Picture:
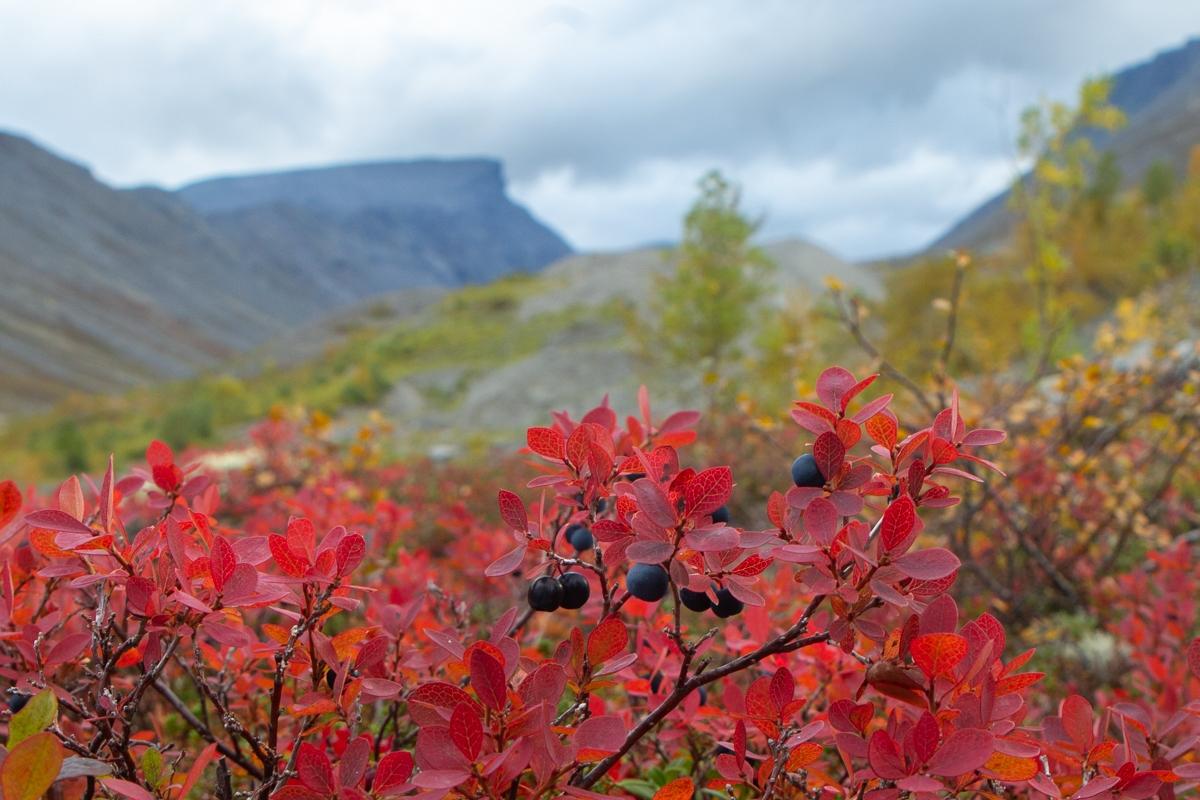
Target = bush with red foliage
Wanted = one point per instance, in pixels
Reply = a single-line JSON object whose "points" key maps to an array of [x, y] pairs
{"points": [[269, 631]]}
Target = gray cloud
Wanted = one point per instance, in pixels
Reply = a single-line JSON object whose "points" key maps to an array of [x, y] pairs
{"points": [[868, 126]]}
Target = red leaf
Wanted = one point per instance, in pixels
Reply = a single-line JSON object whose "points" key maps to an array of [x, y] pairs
{"points": [[10, 502], [313, 769], [753, 565], [222, 561], [604, 734], [883, 754], [708, 490], [872, 409], [393, 769], [783, 688], [350, 552], [126, 789], [487, 679], [963, 752], [814, 418], [828, 451], [608, 639], [820, 521], [352, 766], [1193, 656], [159, 454], [512, 511], [855, 391], [467, 730], [938, 653], [924, 737], [832, 386], [898, 522], [1078, 721], [285, 559], [928, 565], [507, 563], [546, 442], [55, 520]]}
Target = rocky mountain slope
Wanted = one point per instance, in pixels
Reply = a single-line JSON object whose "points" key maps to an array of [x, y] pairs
{"points": [[102, 289], [1161, 100]]}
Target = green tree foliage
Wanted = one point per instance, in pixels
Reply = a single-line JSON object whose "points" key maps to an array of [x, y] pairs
{"points": [[1064, 162], [704, 305], [1158, 184]]}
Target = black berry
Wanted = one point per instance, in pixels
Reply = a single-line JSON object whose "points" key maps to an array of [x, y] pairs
{"points": [[721, 515], [17, 700], [545, 594], [727, 605], [656, 682], [647, 582], [696, 601], [805, 472], [575, 590], [579, 537]]}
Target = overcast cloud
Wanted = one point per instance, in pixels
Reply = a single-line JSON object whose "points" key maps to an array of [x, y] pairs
{"points": [[867, 126]]}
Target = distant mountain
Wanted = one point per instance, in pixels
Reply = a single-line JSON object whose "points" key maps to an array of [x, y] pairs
{"points": [[1161, 100], [102, 289], [359, 230]]}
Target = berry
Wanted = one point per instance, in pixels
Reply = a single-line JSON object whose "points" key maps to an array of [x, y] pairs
{"points": [[656, 682], [575, 590], [696, 601], [727, 605], [545, 594], [17, 700], [579, 537], [805, 472], [721, 515], [647, 582]]}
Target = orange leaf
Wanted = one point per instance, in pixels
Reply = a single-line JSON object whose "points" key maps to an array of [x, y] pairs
{"points": [[43, 541], [31, 767], [607, 640], [803, 755], [938, 653], [678, 789], [1011, 768], [343, 643]]}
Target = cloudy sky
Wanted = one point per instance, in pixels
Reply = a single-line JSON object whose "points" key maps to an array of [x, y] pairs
{"points": [[866, 125]]}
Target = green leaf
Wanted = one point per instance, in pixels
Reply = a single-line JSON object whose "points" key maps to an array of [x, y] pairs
{"points": [[152, 764], [37, 715], [31, 767]]}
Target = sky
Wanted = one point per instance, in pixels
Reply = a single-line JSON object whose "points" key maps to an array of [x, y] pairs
{"points": [[868, 126]]}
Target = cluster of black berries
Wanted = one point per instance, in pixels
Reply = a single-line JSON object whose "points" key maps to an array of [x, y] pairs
{"points": [[569, 590]]}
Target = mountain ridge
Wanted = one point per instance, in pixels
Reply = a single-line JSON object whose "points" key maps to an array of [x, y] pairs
{"points": [[106, 288], [1161, 99]]}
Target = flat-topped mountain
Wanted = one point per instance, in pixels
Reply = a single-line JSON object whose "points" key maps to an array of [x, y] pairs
{"points": [[363, 229], [102, 288]]}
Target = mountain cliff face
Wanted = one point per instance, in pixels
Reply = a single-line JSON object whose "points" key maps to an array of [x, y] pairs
{"points": [[363, 229], [1161, 101], [102, 289]]}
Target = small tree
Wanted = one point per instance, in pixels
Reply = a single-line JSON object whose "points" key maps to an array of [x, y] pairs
{"points": [[704, 304]]}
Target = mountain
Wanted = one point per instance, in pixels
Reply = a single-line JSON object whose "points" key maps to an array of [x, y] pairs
{"points": [[355, 231], [1161, 101], [102, 289]]}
